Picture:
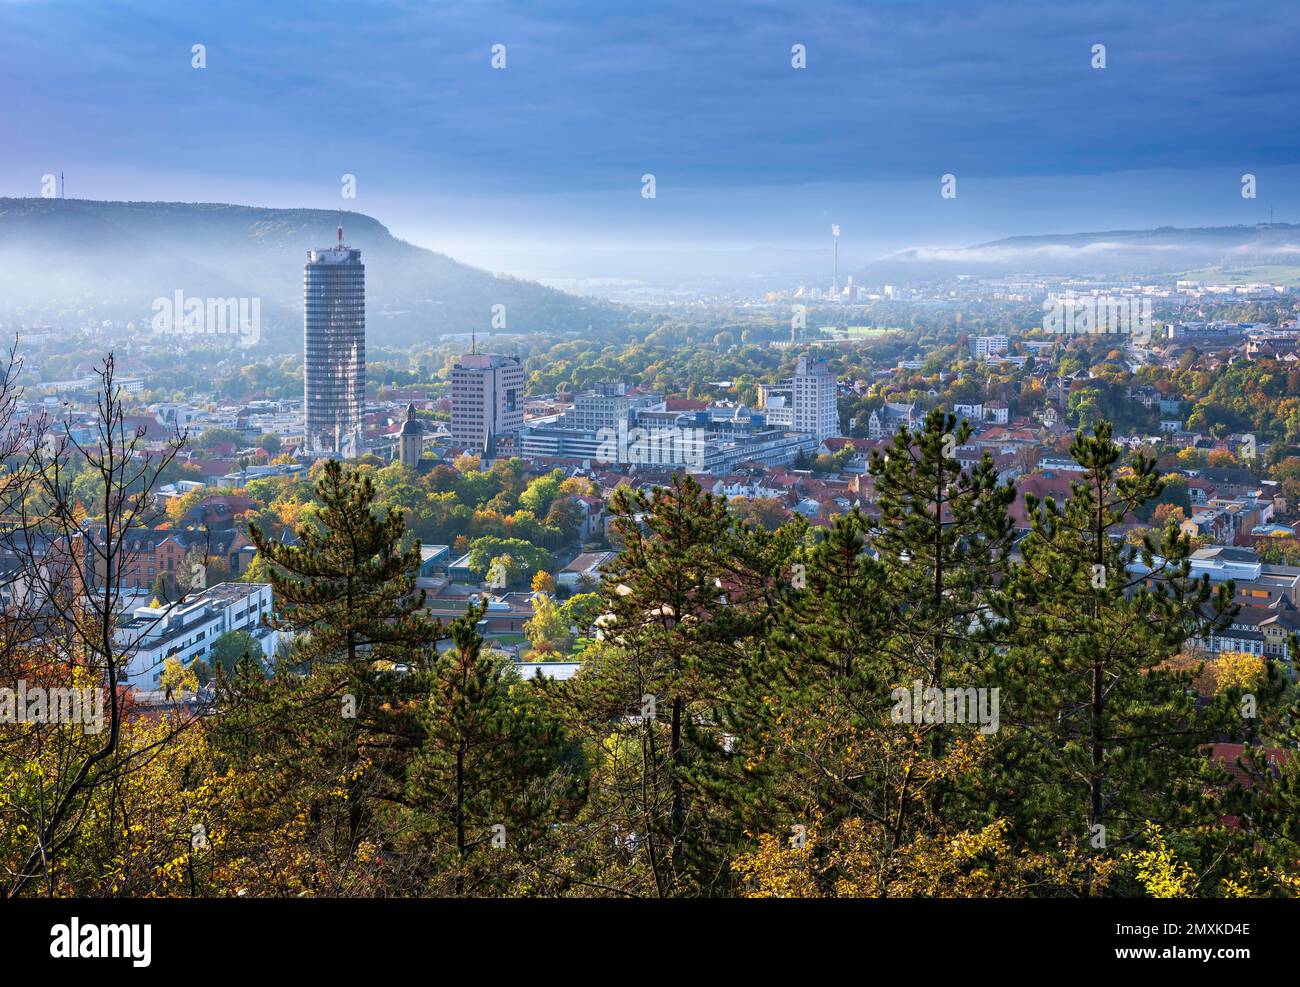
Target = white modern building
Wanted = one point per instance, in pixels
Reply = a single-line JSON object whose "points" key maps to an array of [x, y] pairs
{"points": [[777, 404], [813, 391], [487, 400], [983, 347], [186, 630]]}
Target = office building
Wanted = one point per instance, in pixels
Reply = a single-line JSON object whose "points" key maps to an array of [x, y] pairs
{"points": [[187, 630], [487, 400], [334, 344], [813, 390]]}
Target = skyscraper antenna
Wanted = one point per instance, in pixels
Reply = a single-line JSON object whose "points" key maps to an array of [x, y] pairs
{"points": [[63, 189]]}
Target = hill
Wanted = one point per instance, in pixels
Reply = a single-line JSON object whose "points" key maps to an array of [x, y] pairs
{"points": [[80, 261], [1214, 253]]}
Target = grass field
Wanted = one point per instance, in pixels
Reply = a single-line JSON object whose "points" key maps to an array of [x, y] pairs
{"points": [[1268, 274]]}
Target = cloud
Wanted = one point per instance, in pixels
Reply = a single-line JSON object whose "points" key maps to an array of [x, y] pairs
{"points": [[1010, 254], [1258, 247], [702, 95]]}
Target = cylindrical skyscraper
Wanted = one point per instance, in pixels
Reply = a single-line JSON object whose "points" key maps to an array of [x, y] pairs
{"points": [[334, 349]]}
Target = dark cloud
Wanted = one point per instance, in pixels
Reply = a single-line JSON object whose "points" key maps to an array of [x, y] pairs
{"points": [[597, 93]]}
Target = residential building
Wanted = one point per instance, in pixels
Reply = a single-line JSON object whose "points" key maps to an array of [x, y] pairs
{"points": [[983, 347], [187, 630], [883, 424], [1211, 524], [585, 569], [1255, 631]]}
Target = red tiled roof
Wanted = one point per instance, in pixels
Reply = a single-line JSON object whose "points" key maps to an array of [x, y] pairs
{"points": [[862, 446], [1057, 487], [1227, 756], [213, 467]]}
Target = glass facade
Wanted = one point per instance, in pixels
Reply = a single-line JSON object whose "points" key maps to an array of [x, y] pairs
{"points": [[334, 349]]}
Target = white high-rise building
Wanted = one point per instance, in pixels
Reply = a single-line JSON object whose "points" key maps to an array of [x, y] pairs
{"points": [[487, 400], [813, 392]]}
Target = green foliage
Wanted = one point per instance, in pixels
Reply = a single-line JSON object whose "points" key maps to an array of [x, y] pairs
{"points": [[541, 492], [227, 650], [548, 630], [346, 585], [1112, 735], [525, 558], [486, 780], [740, 690]]}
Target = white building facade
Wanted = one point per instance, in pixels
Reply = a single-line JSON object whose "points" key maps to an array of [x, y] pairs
{"points": [[813, 389], [487, 399], [186, 630]]}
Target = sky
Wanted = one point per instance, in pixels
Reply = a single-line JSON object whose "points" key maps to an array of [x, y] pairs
{"points": [[537, 168]]}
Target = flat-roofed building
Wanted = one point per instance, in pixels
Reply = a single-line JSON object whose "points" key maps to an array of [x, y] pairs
{"points": [[186, 630], [487, 400]]}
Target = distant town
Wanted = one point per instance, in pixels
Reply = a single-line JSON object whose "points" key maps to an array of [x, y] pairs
{"points": [[793, 434]]}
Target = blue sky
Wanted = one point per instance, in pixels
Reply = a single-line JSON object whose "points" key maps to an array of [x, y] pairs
{"points": [[536, 168]]}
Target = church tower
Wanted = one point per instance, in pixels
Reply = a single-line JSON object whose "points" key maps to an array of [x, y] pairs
{"points": [[411, 444]]}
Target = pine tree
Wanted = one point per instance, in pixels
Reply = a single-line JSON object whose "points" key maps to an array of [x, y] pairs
{"points": [[490, 779], [1267, 806], [943, 539], [338, 724], [347, 588], [648, 698], [858, 788], [1100, 736], [819, 735]]}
